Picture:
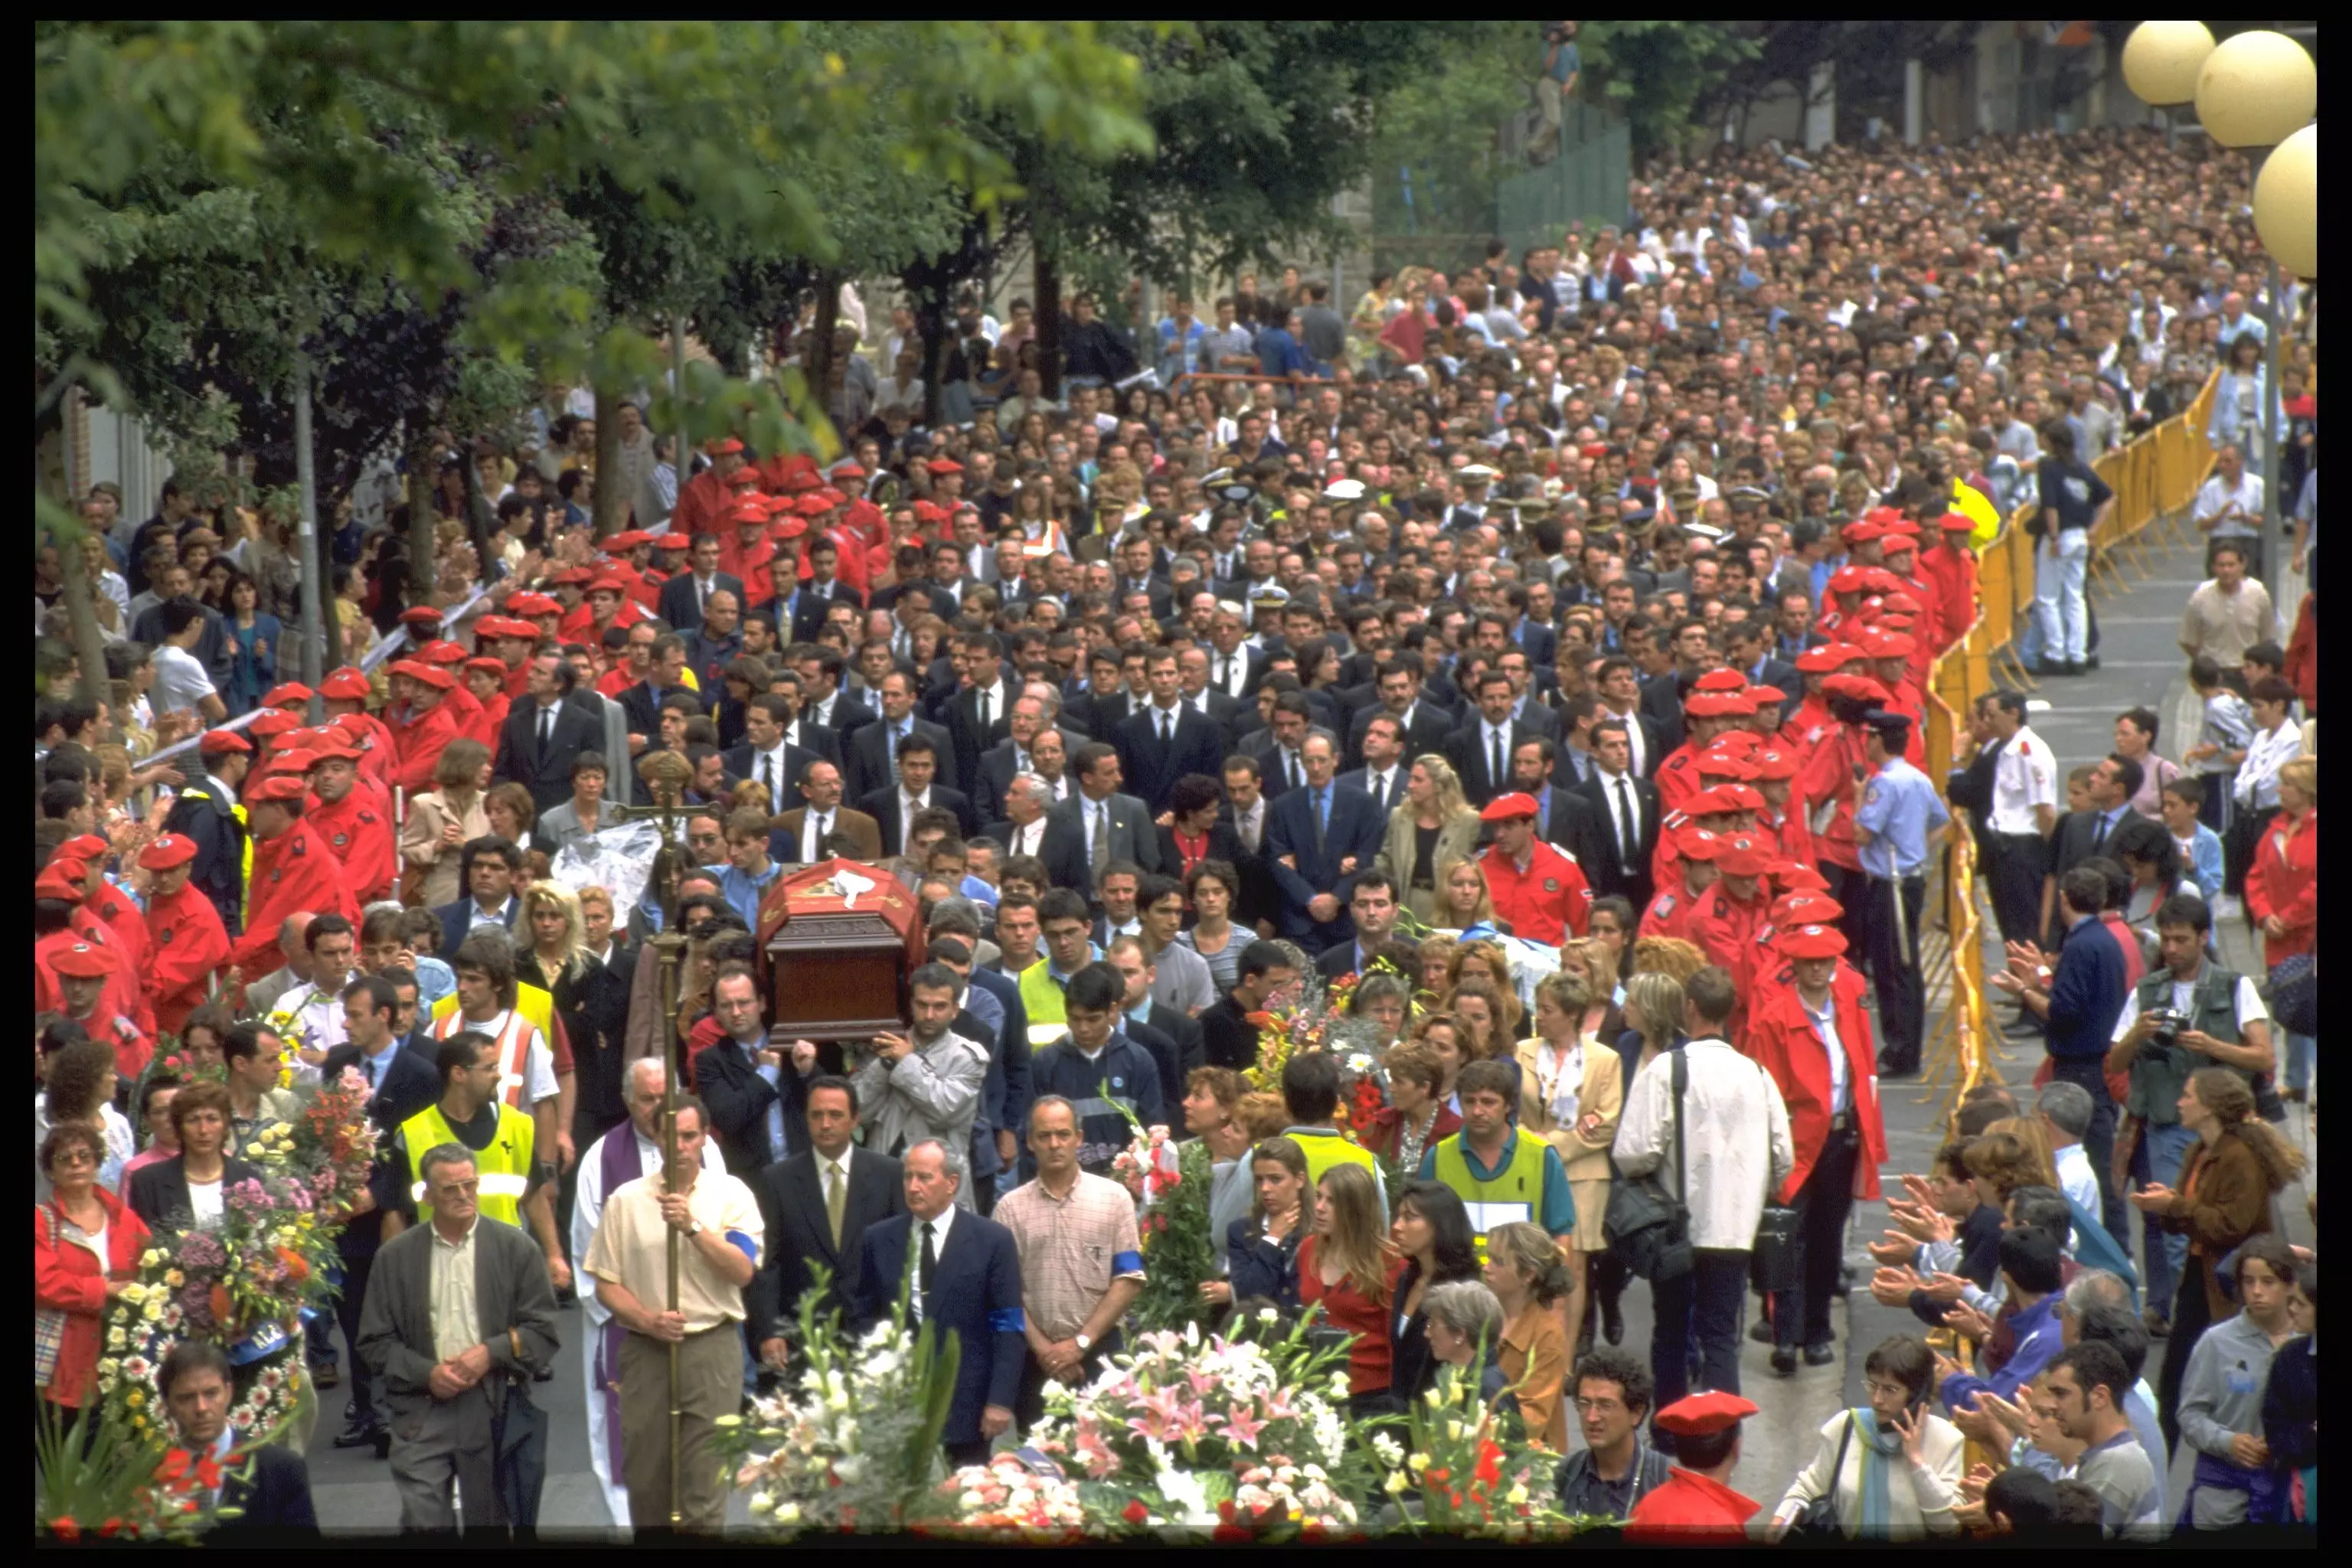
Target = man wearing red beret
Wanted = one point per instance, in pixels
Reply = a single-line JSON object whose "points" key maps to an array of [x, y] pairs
{"points": [[184, 933], [1670, 912], [432, 723], [1538, 892], [347, 809], [293, 871], [1696, 1503], [83, 973]]}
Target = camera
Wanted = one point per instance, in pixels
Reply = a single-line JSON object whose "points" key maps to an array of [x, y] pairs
{"points": [[2167, 1024]]}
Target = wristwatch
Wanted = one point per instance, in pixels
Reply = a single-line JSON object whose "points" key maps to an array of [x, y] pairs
{"points": [[1082, 1341], [696, 1228]]}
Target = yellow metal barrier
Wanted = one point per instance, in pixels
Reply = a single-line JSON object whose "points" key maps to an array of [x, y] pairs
{"points": [[2154, 478]]}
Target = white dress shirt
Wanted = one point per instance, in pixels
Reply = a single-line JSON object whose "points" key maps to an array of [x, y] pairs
{"points": [[1029, 840], [938, 1228], [1251, 825], [814, 826], [778, 783], [2025, 775], [1825, 1022]]}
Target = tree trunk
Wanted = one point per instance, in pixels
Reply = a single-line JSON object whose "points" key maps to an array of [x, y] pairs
{"points": [[612, 504], [88, 640], [817, 364], [423, 539], [1046, 281]]}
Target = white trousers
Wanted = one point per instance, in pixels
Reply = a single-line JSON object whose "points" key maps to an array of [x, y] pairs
{"points": [[603, 1437], [2059, 575]]}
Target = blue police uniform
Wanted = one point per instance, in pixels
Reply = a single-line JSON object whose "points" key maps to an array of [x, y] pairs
{"points": [[1899, 809]]}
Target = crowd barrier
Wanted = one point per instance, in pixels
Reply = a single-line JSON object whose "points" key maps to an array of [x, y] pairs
{"points": [[2154, 478]]}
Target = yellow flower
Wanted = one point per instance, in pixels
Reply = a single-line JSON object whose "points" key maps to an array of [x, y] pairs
{"points": [[174, 1278], [136, 1398]]}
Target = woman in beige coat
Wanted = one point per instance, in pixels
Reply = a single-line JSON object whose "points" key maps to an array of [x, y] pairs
{"points": [[1432, 827], [440, 824], [1571, 1089]]}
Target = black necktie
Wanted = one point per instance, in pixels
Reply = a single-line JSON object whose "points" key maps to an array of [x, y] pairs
{"points": [[1626, 821], [983, 715], [546, 731], [1501, 770], [1167, 729], [768, 777], [930, 1257], [2099, 833], [1225, 674]]}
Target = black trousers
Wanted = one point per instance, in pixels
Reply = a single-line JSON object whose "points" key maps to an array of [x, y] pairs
{"points": [[1893, 954], [2240, 845], [1801, 1316], [1031, 1406], [1699, 1325], [2019, 860], [356, 1272], [1851, 889], [2192, 1316]]}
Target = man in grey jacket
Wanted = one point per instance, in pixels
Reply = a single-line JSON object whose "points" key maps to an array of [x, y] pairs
{"points": [[926, 1082], [2221, 1395]]}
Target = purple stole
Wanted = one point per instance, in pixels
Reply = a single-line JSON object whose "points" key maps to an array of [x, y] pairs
{"points": [[618, 1164]]}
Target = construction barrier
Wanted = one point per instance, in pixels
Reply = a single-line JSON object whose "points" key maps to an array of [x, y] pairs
{"points": [[2154, 478]]}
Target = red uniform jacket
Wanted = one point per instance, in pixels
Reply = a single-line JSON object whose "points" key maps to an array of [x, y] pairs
{"points": [[1826, 782], [702, 503], [123, 994], [1954, 574], [127, 921], [1670, 912], [1677, 778], [2284, 881], [294, 871], [360, 831], [1543, 903], [189, 942], [1784, 1042], [1789, 830], [381, 758], [420, 743], [1689, 1510], [490, 720], [580, 625], [644, 592], [749, 563]]}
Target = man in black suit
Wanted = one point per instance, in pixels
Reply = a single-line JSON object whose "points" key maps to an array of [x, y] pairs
{"points": [[980, 713], [803, 730], [821, 700], [893, 806], [487, 867], [1166, 739], [1387, 764], [684, 595], [1137, 574], [543, 734], [820, 592], [401, 1082], [1319, 839], [967, 1281], [1621, 697], [1009, 758], [873, 750], [1234, 667], [1033, 827], [1563, 817], [1481, 750], [767, 757], [1227, 713], [1425, 724], [1749, 647], [1100, 705], [817, 1205], [750, 1086], [1374, 910], [2088, 832], [268, 1487], [643, 701], [1621, 826]]}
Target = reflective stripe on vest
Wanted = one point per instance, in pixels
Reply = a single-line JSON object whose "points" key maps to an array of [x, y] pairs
{"points": [[503, 1169], [514, 1046]]}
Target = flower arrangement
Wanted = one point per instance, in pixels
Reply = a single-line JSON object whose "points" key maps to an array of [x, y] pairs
{"points": [[1194, 1432], [1465, 1472], [332, 1145], [123, 1484], [1009, 1500], [1177, 1247], [855, 1443]]}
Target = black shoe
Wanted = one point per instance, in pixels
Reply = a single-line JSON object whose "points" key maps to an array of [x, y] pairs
{"points": [[567, 1298], [542, 1374], [384, 1442], [1760, 1331], [1897, 1069], [1784, 1361], [1820, 1354], [327, 1374], [360, 1434], [1613, 1321]]}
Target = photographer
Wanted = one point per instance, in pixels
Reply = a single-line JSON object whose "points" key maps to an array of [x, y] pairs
{"points": [[2192, 1013]]}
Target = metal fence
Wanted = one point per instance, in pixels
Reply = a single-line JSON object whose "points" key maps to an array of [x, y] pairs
{"points": [[1444, 218], [1585, 182]]}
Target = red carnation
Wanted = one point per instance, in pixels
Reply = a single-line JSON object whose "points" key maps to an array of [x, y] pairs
{"points": [[1134, 1512]]}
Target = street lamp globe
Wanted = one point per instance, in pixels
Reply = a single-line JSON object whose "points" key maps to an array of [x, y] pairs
{"points": [[2286, 203], [2256, 90], [2161, 62]]}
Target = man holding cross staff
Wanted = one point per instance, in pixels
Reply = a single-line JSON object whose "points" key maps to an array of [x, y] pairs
{"points": [[690, 1239]]}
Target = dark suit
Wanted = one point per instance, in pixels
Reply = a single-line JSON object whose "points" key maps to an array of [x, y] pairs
{"points": [[578, 729], [1227, 1037], [1062, 849], [1466, 749], [1426, 725], [1151, 766], [1662, 703], [1570, 823], [1192, 1046], [409, 1084], [1355, 831], [458, 919], [1133, 835], [681, 602], [785, 833], [1099, 714], [960, 714], [2077, 840], [1383, 800], [1653, 738], [643, 706], [1166, 1060], [743, 762], [998, 769], [882, 805], [1540, 641], [1605, 868], [1252, 665], [159, 1193], [812, 604], [271, 1490], [1337, 961], [800, 1238], [811, 736], [849, 715], [738, 1098], [868, 767], [975, 1294], [1006, 1092]]}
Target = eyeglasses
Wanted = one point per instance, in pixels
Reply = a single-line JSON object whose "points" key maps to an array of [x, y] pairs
{"points": [[76, 1156], [1892, 1390], [1599, 1406]]}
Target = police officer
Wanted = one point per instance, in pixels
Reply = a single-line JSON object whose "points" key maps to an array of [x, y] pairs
{"points": [[2024, 810], [206, 814], [1898, 814]]}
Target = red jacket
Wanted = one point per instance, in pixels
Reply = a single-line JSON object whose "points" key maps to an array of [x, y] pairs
{"points": [[1677, 778], [296, 871], [1784, 1042], [189, 942], [2284, 881], [1543, 903], [1954, 574], [423, 739], [359, 829], [68, 1276], [1670, 912], [2302, 669]]}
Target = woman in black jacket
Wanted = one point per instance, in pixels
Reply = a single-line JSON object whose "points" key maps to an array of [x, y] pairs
{"points": [[1261, 1247]]}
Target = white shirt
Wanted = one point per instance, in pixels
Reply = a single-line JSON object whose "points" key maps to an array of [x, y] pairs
{"points": [[2247, 1003], [1029, 840], [814, 828], [1625, 811], [180, 679], [2025, 776], [1251, 825], [1826, 1021], [908, 804], [204, 1202], [2257, 783], [2215, 496], [2077, 1179], [1637, 743], [588, 1201], [1737, 1131], [774, 760], [938, 1228], [1384, 786]]}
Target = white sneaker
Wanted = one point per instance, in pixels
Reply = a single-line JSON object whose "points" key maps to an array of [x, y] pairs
{"points": [[2226, 908]]}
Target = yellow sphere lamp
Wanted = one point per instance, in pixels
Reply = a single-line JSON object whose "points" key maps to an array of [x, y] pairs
{"points": [[2256, 90], [2286, 203], [2161, 61]]}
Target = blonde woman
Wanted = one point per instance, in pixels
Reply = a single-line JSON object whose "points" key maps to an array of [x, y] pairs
{"points": [[1434, 826], [1464, 903], [441, 823], [1653, 1020], [1344, 1267], [1667, 955], [1571, 1091], [1530, 1280]]}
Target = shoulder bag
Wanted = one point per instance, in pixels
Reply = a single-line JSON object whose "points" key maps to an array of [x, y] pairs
{"points": [[1649, 1227], [1819, 1522], [1777, 1257]]}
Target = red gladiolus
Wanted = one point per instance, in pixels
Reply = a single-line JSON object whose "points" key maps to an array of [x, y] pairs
{"points": [[111, 1527], [1229, 1535], [1225, 1509], [1489, 1467], [64, 1528], [1436, 1477], [208, 1474], [219, 1300], [1134, 1512], [174, 1466]]}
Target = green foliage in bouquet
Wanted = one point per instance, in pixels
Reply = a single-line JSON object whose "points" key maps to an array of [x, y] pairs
{"points": [[855, 1443], [122, 1482], [1464, 1471]]}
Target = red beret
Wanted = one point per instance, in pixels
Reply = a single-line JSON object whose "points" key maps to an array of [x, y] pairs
{"points": [[609, 584], [275, 722], [1820, 660], [56, 882], [847, 471], [1861, 530], [346, 685], [1957, 523], [419, 616], [673, 542], [789, 528], [574, 574], [744, 479], [1813, 942], [1806, 907], [1508, 808], [946, 466], [277, 787], [86, 847], [171, 849], [285, 694], [749, 511], [1701, 1413], [82, 962], [1772, 763], [1698, 844], [1847, 580], [1802, 878], [216, 742], [800, 479], [442, 652], [1744, 856], [628, 539], [1720, 680], [487, 666], [726, 446], [1860, 688]]}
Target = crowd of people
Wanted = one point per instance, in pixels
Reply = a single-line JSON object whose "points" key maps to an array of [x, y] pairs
{"points": [[1538, 657]]}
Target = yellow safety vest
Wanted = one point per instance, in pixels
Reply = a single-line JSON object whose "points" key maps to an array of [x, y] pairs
{"points": [[533, 1006], [503, 1168]]}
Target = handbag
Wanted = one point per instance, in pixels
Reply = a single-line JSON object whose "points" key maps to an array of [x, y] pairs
{"points": [[2294, 987], [1648, 1226], [1777, 1255], [1819, 1522], [48, 1323]]}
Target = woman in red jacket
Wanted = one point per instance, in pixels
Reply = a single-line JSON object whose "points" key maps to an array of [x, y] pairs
{"points": [[86, 1245], [2282, 893]]}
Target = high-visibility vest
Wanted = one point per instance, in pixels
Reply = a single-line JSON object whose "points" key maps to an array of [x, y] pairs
{"points": [[533, 1009], [1516, 1192], [1042, 999], [503, 1168]]}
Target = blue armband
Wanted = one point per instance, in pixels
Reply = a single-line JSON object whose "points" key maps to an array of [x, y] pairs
{"points": [[1126, 1263], [746, 1246], [1008, 1320]]}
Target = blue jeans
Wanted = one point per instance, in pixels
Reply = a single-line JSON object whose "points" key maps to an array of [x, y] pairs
{"points": [[1698, 1324], [2298, 1058], [2159, 1158]]}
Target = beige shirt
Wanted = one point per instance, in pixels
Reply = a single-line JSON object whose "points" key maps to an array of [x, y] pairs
{"points": [[1072, 1248], [631, 1248], [457, 1324], [2225, 626]]}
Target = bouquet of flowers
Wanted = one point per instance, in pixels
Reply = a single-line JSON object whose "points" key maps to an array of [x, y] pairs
{"points": [[1174, 1180], [332, 1145], [1009, 1500], [855, 1443], [1198, 1433], [1465, 1472], [121, 1484]]}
